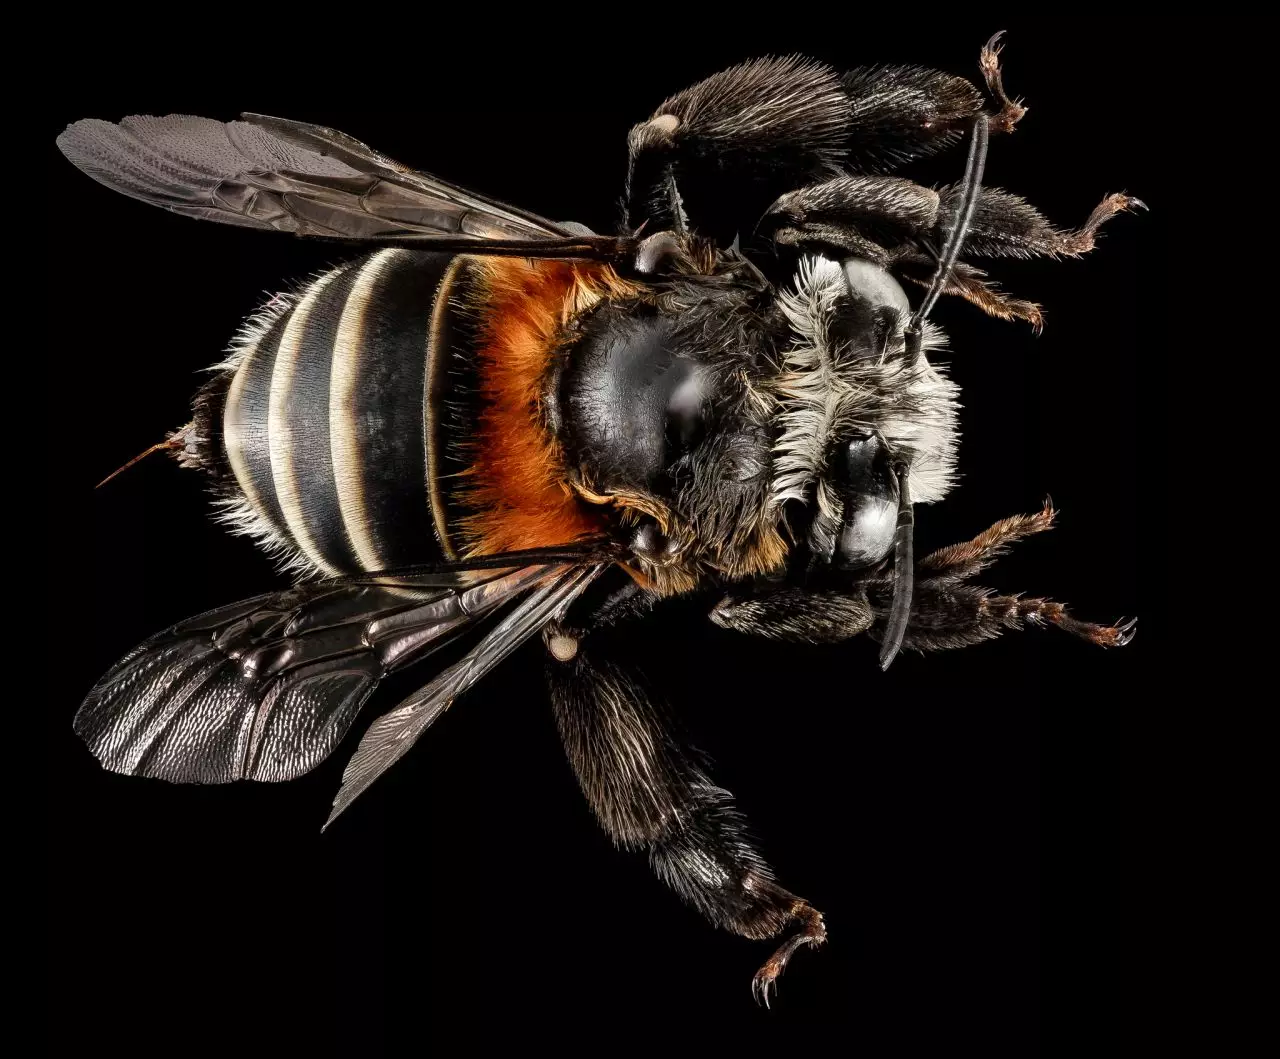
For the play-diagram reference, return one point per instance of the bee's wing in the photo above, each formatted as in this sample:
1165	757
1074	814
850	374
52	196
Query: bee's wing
269	173
265	689
392	734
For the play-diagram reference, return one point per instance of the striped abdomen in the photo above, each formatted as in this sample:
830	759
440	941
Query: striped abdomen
324	425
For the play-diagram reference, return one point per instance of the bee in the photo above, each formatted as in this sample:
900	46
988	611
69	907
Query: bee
493	426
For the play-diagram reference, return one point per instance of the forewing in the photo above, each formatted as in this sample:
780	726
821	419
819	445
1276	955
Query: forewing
391	735
271	173
265	689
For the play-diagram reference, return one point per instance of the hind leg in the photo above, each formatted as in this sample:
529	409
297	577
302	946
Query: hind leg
648	792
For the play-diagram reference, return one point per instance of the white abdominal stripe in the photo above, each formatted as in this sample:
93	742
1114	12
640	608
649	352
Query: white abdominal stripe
323	422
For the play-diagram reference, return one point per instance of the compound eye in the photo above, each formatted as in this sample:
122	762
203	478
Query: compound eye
686	423
867	534
859	459
870	495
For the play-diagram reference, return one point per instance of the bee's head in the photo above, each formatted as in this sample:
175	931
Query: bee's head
856	409
681	412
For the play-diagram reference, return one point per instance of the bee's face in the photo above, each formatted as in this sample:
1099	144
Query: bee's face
856	410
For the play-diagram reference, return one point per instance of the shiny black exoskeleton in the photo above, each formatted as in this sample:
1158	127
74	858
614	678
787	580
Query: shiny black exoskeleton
501	425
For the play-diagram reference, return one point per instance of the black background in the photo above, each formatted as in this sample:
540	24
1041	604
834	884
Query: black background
974	825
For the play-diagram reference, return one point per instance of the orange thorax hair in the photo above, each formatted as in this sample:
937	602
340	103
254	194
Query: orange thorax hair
518	488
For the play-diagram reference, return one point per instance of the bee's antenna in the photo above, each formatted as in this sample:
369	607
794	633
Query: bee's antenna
173	441
955	237
903	573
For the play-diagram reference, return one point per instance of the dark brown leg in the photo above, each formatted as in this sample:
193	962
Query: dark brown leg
859	216
1006	225
1003	225
900	113
947	615
649	793
795	613
957	562
972	285
813	931
1008	113
947	612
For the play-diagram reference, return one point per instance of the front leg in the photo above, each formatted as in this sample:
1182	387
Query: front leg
648	793
1006	225
861	216
899	225
895	222
947	611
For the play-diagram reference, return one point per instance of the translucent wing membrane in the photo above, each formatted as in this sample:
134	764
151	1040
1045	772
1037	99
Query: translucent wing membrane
265	689
390	736
288	176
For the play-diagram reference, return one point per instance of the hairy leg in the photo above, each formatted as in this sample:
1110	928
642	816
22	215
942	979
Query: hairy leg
869	217
958	562
946	611
1006	225
901	113
946	616
778	124
972	285
798	614
649	793
899	225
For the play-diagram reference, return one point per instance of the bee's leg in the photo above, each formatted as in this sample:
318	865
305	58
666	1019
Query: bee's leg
956	562
1007	112
777	124
901	220
802	118
624	604
948	615
899	225
797	614
972	285
649	793
1006	225
772	123
948	612
888	221
1002	225
860	216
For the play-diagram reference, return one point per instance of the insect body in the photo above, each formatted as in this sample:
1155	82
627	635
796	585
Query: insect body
348	431
322	417
495	425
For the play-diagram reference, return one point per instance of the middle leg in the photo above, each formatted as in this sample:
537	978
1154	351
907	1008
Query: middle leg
1006	225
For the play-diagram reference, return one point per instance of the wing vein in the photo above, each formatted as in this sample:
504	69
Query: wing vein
389	737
